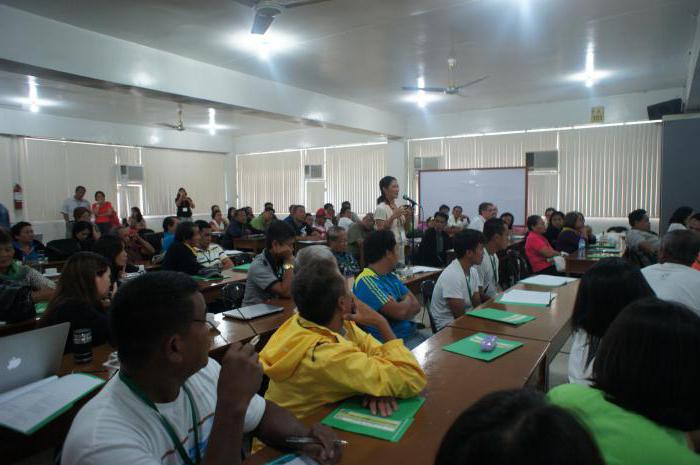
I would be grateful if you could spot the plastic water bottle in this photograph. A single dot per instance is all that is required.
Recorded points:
(581, 248)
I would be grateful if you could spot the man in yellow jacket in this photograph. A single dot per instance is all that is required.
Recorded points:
(320, 355)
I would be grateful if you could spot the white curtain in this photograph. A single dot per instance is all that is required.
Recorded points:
(353, 174)
(165, 171)
(610, 171)
(270, 177)
(8, 155)
(50, 171)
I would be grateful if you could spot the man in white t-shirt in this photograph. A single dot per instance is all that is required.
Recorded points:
(170, 403)
(210, 255)
(456, 221)
(345, 218)
(486, 211)
(496, 236)
(457, 288)
(70, 204)
(673, 278)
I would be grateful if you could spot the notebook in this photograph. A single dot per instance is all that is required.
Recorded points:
(252, 311)
(527, 298)
(547, 281)
(501, 316)
(471, 347)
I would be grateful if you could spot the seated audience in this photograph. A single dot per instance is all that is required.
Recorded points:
(605, 289)
(378, 287)
(320, 223)
(27, 249)
(673, 278)
(82, 297)
(297, 220)
(345, 218)
(261, 222)
(70, 204)
(83, 234)
(320, 355)
(331, 219)
(84, 214)
(308, 224)
(137, 248)
(338, 243)
(136, 220)
(643, 400)
(457, 221)
(353, 215)
(358, 232)
(457, 288)
(237, 229)
(571, 233)
(270, 273)
(679, 219)
(113, 249)
(444, 209)
(496, 237)
(435, 243)
(537, 249)
(15, 273)
(508, 220)
(210, 254)
(158, 324)
(249, 215)
(486, 211)
(555, 225)
(230, 214)
(640, 239)
(169, 226)
(104, 213)
(694, 225)
(548, 214)
(4, 217)
(182, 255)
(517, 427)
(217, 223)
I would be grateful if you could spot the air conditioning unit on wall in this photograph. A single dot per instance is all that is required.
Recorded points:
(426, 163)
(547, 160)
(313, 172)
(129, 174)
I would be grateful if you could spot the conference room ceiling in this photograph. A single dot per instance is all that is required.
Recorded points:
(365, 50)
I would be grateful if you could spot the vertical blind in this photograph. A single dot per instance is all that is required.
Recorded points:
(603, 171)
(270, 177)
(353, 174)
(165, 171)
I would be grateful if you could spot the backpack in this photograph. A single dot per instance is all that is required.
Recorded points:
(15, 302)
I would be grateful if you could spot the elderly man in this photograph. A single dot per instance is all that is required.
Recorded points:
(358, 232)
(338, 243)
(486, 212)
(70, 204)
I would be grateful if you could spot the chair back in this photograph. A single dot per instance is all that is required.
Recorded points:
(232, 295)
(515, 267)
(155, 239)
(617, 229)
(61, 249)
(426, 291)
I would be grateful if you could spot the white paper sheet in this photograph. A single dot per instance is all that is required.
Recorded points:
(423, 269)
(518, 296)
(546, 280)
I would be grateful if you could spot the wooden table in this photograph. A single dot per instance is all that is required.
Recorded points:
(413, 282)
(551, 324)
(256, 244)
(454, 383)
(576, 265)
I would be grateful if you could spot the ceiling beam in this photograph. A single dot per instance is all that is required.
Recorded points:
(692, 86)
(46, 44)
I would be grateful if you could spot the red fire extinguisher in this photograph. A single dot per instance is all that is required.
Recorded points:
(17, 196)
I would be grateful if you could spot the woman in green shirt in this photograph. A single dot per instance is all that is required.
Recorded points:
(644, 398)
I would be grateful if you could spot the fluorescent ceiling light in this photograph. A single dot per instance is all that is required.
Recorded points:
(264, 46)
(212, 127)
(420, 97)
(590, 76)
(32, 100)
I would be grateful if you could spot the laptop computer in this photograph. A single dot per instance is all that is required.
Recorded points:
(252, 311)
(31, 356)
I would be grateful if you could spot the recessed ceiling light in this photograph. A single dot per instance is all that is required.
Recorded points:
(264, 46)
(590, 76)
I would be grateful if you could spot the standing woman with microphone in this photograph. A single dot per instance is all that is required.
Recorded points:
(185, 205)
(390, 216)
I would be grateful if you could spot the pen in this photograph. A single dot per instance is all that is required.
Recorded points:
(255, 340)
(301, 440)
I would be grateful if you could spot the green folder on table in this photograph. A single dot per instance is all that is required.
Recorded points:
(352, 416)
(204, 278)
(40, 307)
(471, 347)
(603, 255)
(501, 316)
(243, 267)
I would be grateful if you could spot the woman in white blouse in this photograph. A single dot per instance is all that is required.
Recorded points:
(390, 216)
(679, 219)
(606, 288)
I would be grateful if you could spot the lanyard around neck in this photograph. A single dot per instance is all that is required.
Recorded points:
(138, 392)
(493, 268)
(469, 288)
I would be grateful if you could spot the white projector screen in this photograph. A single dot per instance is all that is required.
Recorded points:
(505, 187)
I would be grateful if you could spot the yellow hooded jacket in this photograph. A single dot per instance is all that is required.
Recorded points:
(310, 366)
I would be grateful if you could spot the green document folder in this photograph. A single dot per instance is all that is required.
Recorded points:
(244, 267)
(470, 346)
(40, 307)
(202, 278)
(501, 316)
(352, 416)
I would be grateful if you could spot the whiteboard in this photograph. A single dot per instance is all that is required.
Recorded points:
(505, 187)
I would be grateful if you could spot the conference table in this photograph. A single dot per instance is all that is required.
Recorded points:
(577, 265)
(254, 243)
(454, 383)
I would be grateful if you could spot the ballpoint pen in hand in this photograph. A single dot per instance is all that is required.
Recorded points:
(301, 440)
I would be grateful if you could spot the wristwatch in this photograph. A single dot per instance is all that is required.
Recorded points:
(288, 266)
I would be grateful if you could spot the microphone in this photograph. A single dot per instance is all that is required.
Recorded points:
(409, 199)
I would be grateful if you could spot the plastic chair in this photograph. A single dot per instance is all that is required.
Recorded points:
(426, 291)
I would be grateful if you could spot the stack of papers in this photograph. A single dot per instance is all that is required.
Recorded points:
(231, 253)
(423, 269)
(471, 347)
(28, 408)
(501, 316)
(352, 416)
(528, 298)
(548, 281)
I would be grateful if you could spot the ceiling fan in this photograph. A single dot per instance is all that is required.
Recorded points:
(451, 88)
(179, 126)
(266, 10)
